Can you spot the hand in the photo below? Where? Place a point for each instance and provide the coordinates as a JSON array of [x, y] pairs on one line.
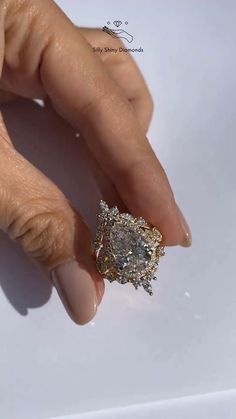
[[43, 55]]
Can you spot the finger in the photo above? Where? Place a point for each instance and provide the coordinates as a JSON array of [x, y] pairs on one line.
[[128, 76], [124, 71], [109, 126], [35, 213], [106, 187], [83, 93]]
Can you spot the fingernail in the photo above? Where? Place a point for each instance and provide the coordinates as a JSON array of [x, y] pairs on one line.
[[187, 237], [77, 291]]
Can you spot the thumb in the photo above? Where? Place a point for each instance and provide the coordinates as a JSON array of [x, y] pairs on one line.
[[35, 213]]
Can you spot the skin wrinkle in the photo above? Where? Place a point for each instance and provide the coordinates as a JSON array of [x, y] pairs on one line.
[[46, 55], [25, 48]]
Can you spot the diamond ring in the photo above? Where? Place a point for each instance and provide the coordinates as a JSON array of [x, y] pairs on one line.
[[127, 249]]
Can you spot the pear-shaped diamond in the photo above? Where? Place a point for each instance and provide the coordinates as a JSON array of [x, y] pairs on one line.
[[131, 251]]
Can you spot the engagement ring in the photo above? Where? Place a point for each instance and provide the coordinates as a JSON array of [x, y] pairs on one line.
[[127, 249]]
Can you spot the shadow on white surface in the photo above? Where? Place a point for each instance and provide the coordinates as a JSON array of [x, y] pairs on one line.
[[22, 282], [52, 146], [183, 341]]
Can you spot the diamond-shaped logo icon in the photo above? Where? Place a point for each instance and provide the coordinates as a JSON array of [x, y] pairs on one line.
[[117, 23]]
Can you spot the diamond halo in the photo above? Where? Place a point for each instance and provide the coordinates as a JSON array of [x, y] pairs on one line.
[[127, 249]]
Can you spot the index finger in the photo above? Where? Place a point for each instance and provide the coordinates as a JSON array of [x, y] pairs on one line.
[[82, 91]]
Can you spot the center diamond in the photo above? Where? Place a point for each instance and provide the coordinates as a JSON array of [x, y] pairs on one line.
[[132, 252]]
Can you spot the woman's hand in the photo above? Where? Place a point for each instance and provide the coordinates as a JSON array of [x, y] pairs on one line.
[[43, 55]]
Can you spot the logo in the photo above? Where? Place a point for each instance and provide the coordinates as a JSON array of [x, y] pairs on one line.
[[119, 32], [117, 23], [116, 29]]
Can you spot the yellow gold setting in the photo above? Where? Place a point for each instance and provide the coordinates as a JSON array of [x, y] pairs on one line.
[[127, 249]]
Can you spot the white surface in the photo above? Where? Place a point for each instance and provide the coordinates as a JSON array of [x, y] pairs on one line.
[[139, 350], [214, 405]]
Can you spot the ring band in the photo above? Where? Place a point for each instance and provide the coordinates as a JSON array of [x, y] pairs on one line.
[[127, 249]]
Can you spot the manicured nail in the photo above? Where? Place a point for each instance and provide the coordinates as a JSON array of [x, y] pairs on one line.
[[77, 291], [187, 237]]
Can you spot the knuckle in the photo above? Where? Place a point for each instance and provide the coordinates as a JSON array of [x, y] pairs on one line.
[[27, 30], [44, 229], [117, 42]]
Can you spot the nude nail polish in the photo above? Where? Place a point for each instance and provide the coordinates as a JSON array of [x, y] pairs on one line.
[[76, 289], [187, 237]]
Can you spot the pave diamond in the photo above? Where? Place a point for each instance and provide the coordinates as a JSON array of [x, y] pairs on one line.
[[127, 249]]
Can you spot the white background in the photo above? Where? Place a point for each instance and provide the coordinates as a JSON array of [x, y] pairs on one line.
[[170, 351]]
